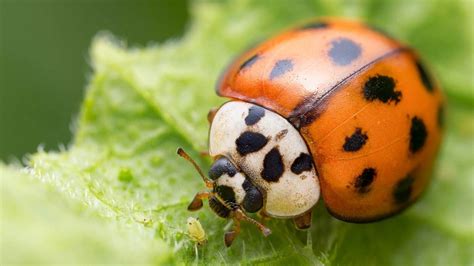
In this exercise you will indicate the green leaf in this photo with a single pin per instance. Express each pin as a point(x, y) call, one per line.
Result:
point(143, 103)
point(40, 225)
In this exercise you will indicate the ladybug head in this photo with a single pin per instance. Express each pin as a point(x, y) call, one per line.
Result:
point(230, 194)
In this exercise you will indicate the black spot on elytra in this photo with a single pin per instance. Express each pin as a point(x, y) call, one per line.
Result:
point(403, 190)
point(249, 62)
point(356, 141)
point(364, 180)
point(281, 67)
point(226, 193)
point(344, 51)
point(315, 25)
point(255, 114)
point(253, 200)
point(272, 166)
point(381, 88)
point(418, 134)
point(315, 104)
point(304, 162)
point(250, 142)
point(440, 116)
point(425, 76)
point(218, 207)
point(222, 166)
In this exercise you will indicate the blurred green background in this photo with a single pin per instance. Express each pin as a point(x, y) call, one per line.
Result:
point(44, 60)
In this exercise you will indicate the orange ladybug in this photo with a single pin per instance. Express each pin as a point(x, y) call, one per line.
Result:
point(333, 108)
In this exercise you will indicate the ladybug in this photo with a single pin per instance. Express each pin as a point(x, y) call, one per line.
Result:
point(333, 108)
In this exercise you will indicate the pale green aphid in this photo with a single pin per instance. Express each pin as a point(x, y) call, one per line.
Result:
point(196, 232)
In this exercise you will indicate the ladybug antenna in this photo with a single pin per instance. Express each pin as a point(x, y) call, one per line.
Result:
point(206, 180)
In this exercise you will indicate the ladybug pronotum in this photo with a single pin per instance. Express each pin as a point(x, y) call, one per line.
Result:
point(333, 108)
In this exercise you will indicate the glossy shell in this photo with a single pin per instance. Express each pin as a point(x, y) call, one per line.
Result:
point(268, 157)
point(365, 105)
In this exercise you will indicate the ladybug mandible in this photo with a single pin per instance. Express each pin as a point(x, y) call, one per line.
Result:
point(333, 107)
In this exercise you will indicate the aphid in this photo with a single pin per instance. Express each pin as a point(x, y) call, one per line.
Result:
point(195, 231)
point(333, 107)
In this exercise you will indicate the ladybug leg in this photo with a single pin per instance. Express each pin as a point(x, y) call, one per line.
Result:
point(239, 215)
point(264, 216)
point(242, 216)
point(230, 236)
point(196, 204)
point(211, 114)
point(304, 221)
